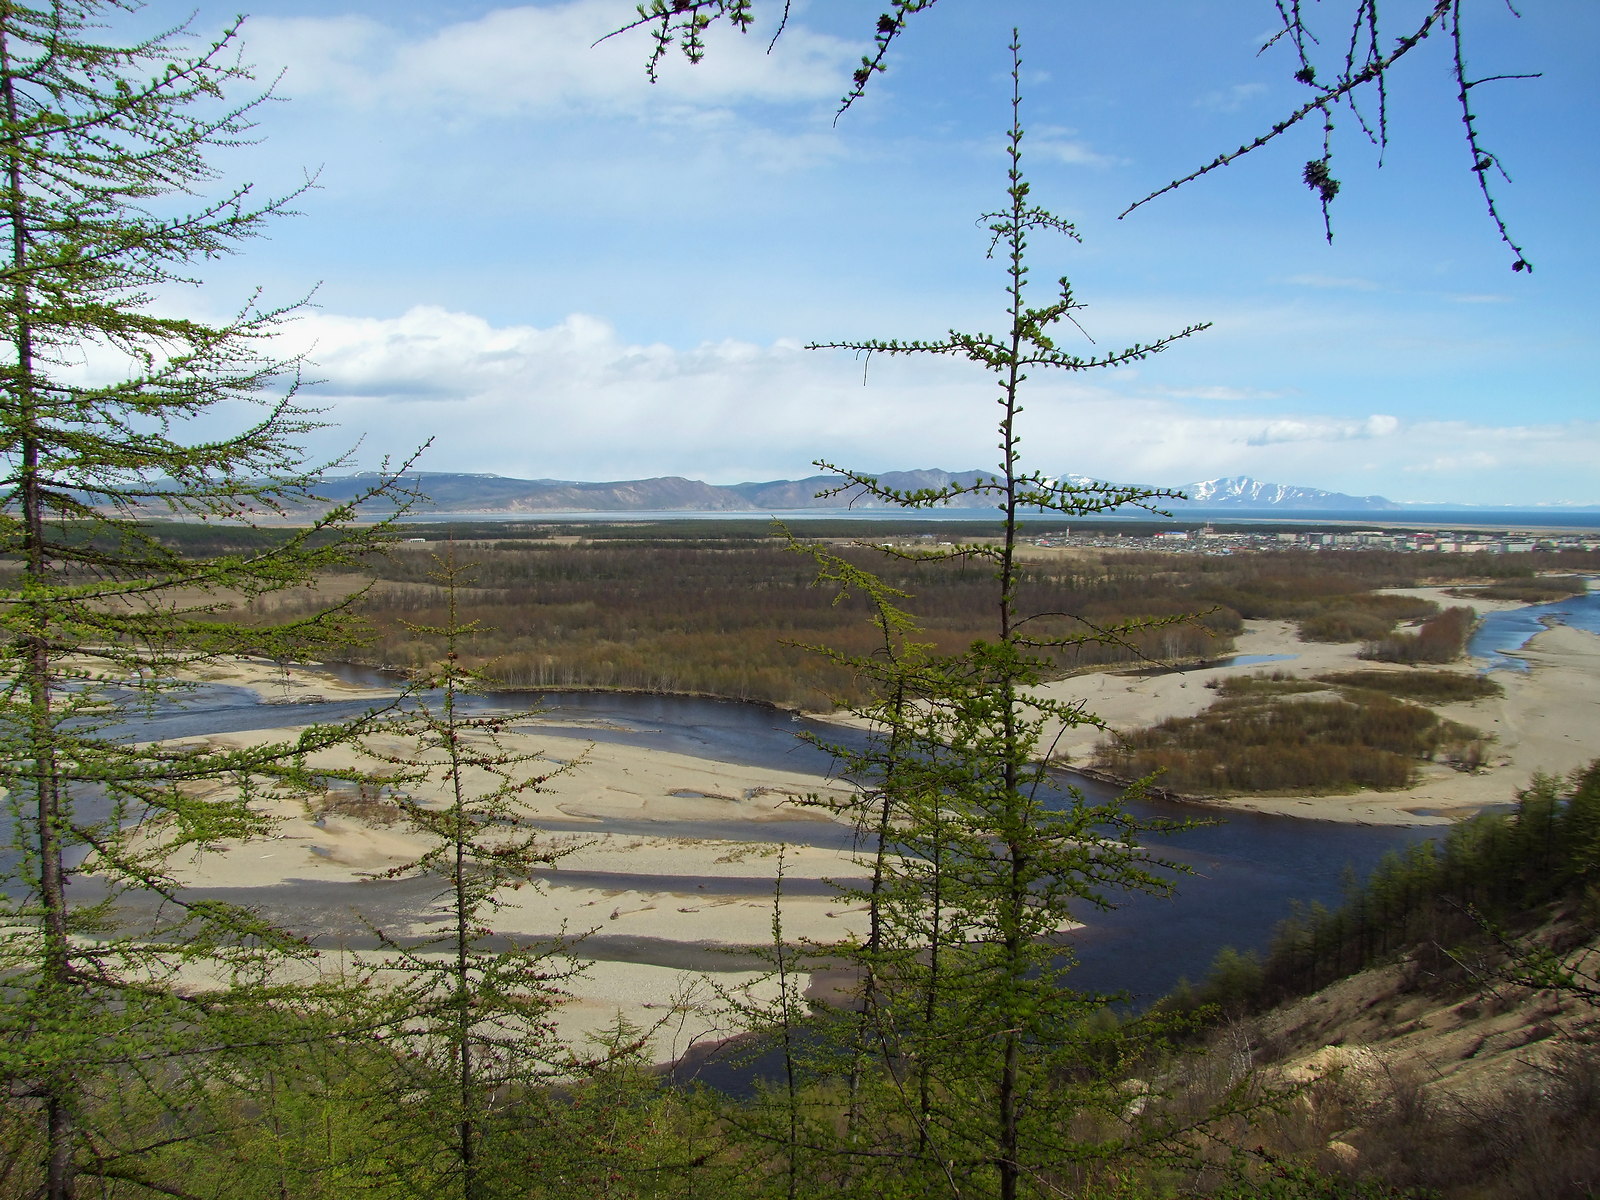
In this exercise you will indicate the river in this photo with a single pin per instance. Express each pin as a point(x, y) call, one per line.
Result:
point(1243, 872)
point(1511, 629)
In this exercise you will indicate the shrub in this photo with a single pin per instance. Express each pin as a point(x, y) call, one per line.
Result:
point(1439, 639)
point(1277, 683)
point(1543, 590)
point(1425, 687)
point(1251, 743)
point(1360, 618)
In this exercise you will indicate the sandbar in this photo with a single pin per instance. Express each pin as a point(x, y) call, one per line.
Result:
point(1547, 720)
point(664, 910)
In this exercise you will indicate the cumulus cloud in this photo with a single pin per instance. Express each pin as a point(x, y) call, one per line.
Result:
point(577, 400)
point(573, 400)
point(520, 59)
point(1324, 429)
point(1381, 425)
point(429, 352)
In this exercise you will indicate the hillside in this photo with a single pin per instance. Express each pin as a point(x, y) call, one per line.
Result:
point(1439, 1033)
point(463, 492)
point(1440, 1070)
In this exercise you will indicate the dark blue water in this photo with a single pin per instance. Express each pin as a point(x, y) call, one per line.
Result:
point(1510, 630)
point(1243, 871)
point(1490, 519)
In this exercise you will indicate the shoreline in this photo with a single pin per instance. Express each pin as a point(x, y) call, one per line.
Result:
point(679, 918)
point(1547, 720)
point(1549, 697)
point(665, 907)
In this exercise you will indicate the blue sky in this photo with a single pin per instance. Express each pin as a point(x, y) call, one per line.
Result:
point(524, 250)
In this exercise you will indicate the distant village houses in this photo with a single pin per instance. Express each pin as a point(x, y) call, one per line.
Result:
point(1212, 540)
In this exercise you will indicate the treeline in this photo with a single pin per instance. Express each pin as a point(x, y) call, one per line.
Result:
point(732, 617)
point(1489, 871)
point(737, 621)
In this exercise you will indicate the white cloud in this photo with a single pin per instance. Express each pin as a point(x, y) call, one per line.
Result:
point(316, 54)
point(1323, 429)
point(1064, 146)
point(1074, 153)
point(1345, 282)
point(1225, 395)
point(1231, 99)
point(1478, 460)
point(576, 400)
point(431, 353)
point(520, 59)
point(1156, 441)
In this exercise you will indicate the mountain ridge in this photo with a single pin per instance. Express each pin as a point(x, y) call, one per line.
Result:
point(492, 493)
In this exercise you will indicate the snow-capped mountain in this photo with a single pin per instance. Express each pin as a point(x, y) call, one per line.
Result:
point(452, 492)
point(1240, 491)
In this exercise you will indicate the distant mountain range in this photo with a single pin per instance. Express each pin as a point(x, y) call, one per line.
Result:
point(1240, 491)
point(464, 493)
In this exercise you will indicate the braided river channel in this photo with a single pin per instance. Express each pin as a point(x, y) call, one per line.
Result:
point(1240, 871)
point(1243, 870)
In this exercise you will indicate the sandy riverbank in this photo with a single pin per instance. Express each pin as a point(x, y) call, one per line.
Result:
point(1548, 719)
point(660, 903)
point(651, 899)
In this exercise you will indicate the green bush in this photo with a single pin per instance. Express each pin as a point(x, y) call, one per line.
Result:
point(1425, 687)
point(1259, 742)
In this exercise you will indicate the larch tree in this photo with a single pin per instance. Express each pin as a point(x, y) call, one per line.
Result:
point(985, 1060)
point(102, 147)
point(1016, 861)
point(475, 1005)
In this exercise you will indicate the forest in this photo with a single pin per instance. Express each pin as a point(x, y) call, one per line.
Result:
point(736, 618)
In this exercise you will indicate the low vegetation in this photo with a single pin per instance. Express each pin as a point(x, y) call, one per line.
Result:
point(722, 608)
point(1544, 590)
point(1361, 618)
point(1442, 1022)
point(736, 619)
point(1439, 639)
point(1264, 683)
point(1423, 686)
point(1275, 733)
